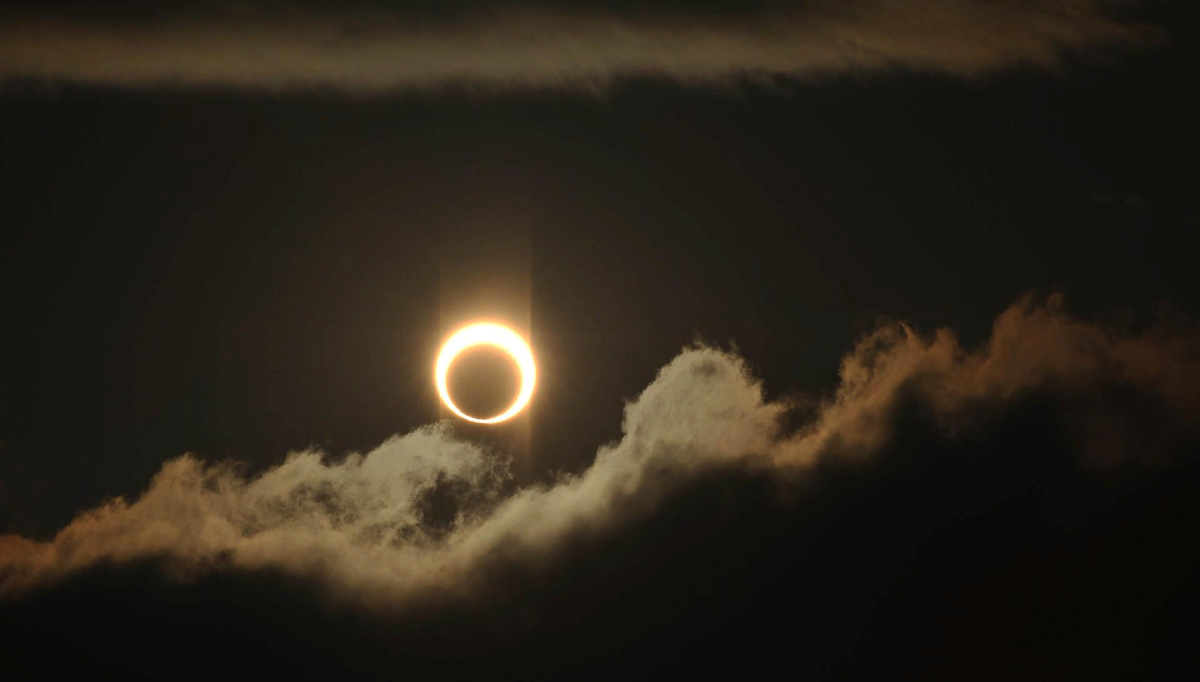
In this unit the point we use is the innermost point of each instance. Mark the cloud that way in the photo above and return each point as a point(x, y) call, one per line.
point(375, 47)
point(967, 464)
point(368, 525)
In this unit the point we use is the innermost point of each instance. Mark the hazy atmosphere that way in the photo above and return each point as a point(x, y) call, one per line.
point(474, 340)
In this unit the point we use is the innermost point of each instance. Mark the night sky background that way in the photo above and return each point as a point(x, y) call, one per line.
point(240, 273)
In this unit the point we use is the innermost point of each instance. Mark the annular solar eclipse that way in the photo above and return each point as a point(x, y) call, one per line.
point(497, 336)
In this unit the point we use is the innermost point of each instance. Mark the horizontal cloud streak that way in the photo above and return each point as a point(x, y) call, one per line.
point(365, 528)
point(367, 48)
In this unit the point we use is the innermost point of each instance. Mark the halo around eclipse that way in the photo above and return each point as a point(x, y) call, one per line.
point(497, 336)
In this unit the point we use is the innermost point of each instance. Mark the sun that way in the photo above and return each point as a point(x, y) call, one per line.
point(487, 334)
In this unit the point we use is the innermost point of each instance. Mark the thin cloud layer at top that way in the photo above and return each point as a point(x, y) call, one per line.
point(373, 48)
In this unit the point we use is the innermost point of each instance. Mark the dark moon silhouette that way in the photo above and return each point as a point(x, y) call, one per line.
point(484, 381)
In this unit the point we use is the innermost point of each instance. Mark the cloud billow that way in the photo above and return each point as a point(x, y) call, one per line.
point(378, 47)
point(930, 471)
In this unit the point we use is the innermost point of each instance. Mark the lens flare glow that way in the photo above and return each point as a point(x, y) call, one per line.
point(487, 334)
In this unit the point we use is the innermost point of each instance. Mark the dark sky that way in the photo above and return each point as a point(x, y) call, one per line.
point(240, 273)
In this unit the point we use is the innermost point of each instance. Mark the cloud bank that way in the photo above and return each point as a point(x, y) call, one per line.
point(377, 47)
point(943, 506)
point(424, 512)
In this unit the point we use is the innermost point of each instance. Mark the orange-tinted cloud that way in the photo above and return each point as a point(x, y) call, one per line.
point(372, 48)
point(361, 526)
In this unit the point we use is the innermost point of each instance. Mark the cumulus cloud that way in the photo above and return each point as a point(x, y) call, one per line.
point(1029, 503)
point(372, 47)
point(425, 514)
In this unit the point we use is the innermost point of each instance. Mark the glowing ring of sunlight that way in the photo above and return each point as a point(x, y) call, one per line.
point(487, 334)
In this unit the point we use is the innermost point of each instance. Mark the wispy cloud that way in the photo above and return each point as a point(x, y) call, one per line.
point(371, 47)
